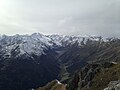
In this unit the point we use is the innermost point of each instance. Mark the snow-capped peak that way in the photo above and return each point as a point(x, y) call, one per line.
point(36, 43)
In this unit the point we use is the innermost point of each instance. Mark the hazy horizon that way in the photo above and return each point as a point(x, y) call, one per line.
point(66, 17)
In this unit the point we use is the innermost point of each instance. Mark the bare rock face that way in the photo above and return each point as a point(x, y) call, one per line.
point(113, 85)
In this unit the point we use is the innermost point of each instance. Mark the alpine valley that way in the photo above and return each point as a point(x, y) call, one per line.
point(59, 62)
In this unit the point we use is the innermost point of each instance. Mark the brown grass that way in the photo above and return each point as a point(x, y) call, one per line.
point(102, 79)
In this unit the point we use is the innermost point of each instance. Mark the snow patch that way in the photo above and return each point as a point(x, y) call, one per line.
point(58, 82)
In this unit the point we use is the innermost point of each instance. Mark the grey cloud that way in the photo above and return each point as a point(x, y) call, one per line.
point(91, 17)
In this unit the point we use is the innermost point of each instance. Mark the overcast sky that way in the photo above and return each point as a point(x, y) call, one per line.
point(71, 17)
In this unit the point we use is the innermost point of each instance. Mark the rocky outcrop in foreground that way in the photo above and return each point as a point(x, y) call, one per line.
point(84, 77)
point(113, 85)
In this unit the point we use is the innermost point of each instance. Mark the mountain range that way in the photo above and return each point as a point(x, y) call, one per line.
point(31, 61)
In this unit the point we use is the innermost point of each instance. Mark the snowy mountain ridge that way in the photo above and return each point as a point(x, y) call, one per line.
point(36, 43)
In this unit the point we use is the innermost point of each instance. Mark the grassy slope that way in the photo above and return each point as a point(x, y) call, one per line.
point(53, 86)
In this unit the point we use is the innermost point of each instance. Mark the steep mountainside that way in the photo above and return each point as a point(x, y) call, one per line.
point(100, 57)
